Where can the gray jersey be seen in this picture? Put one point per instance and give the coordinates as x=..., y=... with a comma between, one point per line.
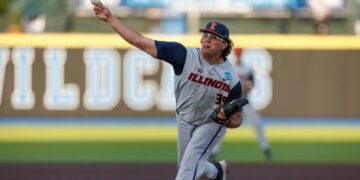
x=201, y=87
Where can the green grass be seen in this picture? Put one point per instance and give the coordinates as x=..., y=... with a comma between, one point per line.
x=166, y=152
x=337, y=153
x=88, y=152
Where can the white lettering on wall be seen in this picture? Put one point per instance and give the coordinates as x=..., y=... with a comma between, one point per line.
x=58, y=96
x=102, y=84
x=139, y=94
x=260, y=60
x=102, y=79
x=23, y=95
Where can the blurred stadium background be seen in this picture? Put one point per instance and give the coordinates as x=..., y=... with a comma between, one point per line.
x=73, y=93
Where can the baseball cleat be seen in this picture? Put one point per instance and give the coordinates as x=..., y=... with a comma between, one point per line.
x=222, y=170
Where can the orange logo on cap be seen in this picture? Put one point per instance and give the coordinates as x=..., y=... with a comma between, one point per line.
x=213, y=25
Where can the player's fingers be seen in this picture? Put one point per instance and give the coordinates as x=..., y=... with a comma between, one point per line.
x=98, y=10
x=98, y=7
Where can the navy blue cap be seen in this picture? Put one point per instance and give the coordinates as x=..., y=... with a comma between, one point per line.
x=218, y=29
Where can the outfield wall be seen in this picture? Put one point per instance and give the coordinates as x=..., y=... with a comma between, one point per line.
x=100, y=74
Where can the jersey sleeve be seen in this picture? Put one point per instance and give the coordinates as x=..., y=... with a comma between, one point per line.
x=235, y=93
x=172, y=52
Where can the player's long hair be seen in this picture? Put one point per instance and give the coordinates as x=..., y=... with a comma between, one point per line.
x=228, y=49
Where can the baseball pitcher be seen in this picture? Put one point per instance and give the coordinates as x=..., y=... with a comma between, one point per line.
x=207, y=91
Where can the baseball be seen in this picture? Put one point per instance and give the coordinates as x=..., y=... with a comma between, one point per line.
x=95, y=2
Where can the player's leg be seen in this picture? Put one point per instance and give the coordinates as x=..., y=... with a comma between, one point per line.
x=256, y=121
x=194, y=162
x=185, y=131
x=215, y=152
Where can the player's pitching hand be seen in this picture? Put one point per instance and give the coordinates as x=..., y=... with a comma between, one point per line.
x=102, y=12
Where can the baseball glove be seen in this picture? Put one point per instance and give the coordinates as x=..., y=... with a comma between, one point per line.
x=230, y=108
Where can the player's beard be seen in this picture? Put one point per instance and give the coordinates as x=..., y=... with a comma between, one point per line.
x=210, y=52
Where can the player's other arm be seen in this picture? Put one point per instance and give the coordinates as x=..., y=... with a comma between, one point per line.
x=131, y=36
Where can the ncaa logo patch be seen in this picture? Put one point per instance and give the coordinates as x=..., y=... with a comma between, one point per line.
x=227, y=76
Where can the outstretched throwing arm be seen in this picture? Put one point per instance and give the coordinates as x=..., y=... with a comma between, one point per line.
x=131, y=36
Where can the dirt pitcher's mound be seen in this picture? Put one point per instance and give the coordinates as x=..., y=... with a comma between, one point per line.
x=163, y=171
